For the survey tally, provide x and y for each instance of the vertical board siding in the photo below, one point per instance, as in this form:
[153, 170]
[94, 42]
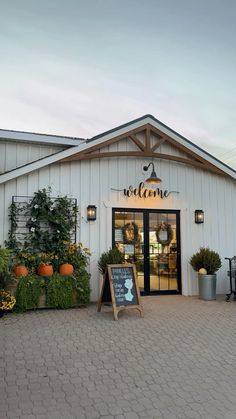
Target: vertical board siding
[91, 182]
[14, 154]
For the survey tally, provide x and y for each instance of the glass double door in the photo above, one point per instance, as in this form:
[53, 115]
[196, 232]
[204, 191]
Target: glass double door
[150, 239]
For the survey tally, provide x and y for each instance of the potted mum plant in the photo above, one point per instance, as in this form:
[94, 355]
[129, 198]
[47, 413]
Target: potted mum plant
[206, 263]
[7, 301]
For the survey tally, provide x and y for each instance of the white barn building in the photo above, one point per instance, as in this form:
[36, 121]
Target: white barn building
[153, 225]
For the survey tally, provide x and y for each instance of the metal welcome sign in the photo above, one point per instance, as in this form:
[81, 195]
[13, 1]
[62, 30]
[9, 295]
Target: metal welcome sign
[142, 192]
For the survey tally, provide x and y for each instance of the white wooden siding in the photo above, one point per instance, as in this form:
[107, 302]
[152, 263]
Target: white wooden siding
[91, 182]
[13, 154]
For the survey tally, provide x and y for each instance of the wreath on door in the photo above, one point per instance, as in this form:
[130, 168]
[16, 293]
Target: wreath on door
[169, 233]
[131, 233]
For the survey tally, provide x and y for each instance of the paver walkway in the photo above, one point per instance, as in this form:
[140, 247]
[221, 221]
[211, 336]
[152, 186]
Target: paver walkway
[179, 361]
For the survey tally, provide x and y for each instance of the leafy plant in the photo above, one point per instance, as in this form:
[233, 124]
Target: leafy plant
[81, 286]
[26, 259]
[48, 221]
[60, 291]
[5, 262]
[28, 292]
[64, 218]
[207, 259]
[112, 256]
[77, 255]
[13, 214]
[44, 258]
[5, 255]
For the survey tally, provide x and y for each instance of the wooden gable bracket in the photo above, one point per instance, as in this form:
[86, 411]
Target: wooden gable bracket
[201, 162]
[144, 149]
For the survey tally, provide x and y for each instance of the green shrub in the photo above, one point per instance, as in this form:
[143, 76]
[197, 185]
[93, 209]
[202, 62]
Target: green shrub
[67, 291]
[207, 259]
[28, 292]
[5, 255]
[59, 291]
[112, 256]
[82, 286]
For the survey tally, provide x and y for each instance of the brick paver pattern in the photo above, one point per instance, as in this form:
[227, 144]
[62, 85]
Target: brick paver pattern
[176, 362]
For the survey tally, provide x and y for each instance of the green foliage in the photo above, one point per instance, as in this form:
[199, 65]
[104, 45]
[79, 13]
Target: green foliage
[112, 256]
[49, 222]
[5, 279]
[28, 292]
[60, 291]
[5, 261]
[68, 291]
[63, 221]
[82, 287]
[77, 255]
[207, 259]
[13, 213]
[5, 255]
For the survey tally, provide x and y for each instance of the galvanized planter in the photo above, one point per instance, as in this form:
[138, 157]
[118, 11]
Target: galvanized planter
[207, 287]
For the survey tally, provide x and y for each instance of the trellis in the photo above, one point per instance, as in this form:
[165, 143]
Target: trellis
[20, 225]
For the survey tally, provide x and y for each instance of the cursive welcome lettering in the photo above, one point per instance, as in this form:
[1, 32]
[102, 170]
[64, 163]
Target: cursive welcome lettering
[143, 192]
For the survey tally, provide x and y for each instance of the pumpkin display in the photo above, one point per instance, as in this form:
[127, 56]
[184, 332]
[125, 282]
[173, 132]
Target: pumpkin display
[66, 269]
[21, 270]
[45, 270]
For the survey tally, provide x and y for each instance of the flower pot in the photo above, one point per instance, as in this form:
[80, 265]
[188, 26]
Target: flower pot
[45, 270]
[207, 287]
[66, 269]
[21, 270]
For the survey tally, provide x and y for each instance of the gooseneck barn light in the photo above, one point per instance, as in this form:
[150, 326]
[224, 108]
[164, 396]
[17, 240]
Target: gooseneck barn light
[153, 178]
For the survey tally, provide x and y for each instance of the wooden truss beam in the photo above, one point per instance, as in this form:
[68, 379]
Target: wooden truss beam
[137, 142]
[145, 150]
[139, 154]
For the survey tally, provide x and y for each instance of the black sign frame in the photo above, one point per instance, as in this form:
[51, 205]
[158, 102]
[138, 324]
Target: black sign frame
[113, 291]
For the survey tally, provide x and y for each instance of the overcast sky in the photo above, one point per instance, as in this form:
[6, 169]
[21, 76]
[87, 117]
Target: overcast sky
[78, 68]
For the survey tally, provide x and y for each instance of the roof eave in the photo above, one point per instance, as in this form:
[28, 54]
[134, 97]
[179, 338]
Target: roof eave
[30, 137]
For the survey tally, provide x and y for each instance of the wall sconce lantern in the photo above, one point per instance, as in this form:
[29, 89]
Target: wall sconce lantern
[153, 178]
[91, 213]
[199, 216]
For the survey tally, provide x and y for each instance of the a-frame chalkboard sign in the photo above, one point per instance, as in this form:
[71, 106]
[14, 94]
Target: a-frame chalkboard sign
[120, 288]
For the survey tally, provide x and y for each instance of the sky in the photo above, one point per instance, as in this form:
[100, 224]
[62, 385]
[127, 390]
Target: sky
[81, 67]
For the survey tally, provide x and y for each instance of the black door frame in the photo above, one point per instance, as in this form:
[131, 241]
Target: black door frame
[146, 212]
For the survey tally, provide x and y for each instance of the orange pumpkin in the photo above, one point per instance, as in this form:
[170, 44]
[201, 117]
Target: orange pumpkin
[66, 269]
[45, 270]
[21, 270]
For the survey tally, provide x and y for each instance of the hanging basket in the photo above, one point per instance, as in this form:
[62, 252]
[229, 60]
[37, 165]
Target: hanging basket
[45, 270]
[66, 269]
[21, 270]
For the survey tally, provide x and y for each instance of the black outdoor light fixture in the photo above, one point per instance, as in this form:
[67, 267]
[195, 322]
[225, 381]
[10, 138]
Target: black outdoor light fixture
[153, 178]
[91, 213]
[199, 216]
